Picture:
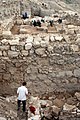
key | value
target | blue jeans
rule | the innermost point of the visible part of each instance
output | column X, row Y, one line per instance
column 23, row 103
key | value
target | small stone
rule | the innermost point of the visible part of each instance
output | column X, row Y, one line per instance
column 28, row 46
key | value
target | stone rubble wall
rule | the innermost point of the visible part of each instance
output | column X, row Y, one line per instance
column 48, row 62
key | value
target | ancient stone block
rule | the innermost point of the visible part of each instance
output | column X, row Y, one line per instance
column 40, row 51
column 36, row 44
column 13, row 53
column 0, row 53
column 4, row 47
column 13, row 48
column 77, row 72
column 58, row 38
column 6, row 76
column 24, row 52
column 14, row 42
column 75, row 48
column 29, row 39
column 28, row 46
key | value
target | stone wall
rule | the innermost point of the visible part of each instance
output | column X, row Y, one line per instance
column 48, row 62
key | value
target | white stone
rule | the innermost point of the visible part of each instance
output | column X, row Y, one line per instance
column 24, row 52
column 0, row 53
column 68, row 107
column 4, row 41
column 40, row 51
column 71, row 26
column 4, row 53
column 55, row 109
column 58, row 38
column 4, row 47
column 36, row 44
column 13, row 48
column 29, row 39
column 52, row 38
column 37, row 38
column 13, row 53
column 19, row 22
column 23, row 31
column 77, row 94
column 14, row 42
column 75, row 48
column 6, row 33
column 50, row 48
column 43, row 44
column 2, row 118
column 28, row 46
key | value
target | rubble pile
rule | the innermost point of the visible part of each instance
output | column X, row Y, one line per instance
column 61, row 106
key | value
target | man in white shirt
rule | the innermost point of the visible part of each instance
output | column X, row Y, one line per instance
column 22, row 92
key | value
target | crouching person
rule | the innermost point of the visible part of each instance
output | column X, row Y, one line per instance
column 22, row 93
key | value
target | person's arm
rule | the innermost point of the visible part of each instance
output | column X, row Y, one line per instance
column 26, row 92
column 18, row 92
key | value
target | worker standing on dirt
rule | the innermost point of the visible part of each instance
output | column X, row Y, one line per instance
column 22, row 93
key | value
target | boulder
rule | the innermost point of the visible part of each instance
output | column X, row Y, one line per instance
column 77, row 94
column 40, row 51
column 68, row 107
column 28, row 46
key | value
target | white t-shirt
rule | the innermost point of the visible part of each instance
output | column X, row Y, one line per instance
column 22, row 91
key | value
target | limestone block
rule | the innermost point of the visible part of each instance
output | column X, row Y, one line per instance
column 0, row 53
column 36, row 44
column 50, row 48
column 37, row 38
column 23, row 31
column 6, row 76
column 75, row 48
column 61, row 74
column 4, row 41
column 71, row 27
column 69, row 73
column 43, row 44
column 4, row 53
column 19, row 21
column 68, row 107
column 6, row 34
column 78, row 40
column 24, row 52
column 2, row 118
column 4, row 47
column 13, row 48
column 29, row 39
column 77, row 72
column 14, row 42
column 55, row 109
column 28, row 46
column 40, row 51
column 13, row 53
column 58, row 102
column 12, row 70
column 26, row 21
column 46, row 39
column 52, row 39
column 58, row 38
column 77, row 94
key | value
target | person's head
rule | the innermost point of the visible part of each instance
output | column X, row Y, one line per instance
column 24, row 83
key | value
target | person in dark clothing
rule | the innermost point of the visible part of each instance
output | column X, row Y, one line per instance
column 51, row 23
column 59, row 21
column 34, row 23
column 38, row 23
